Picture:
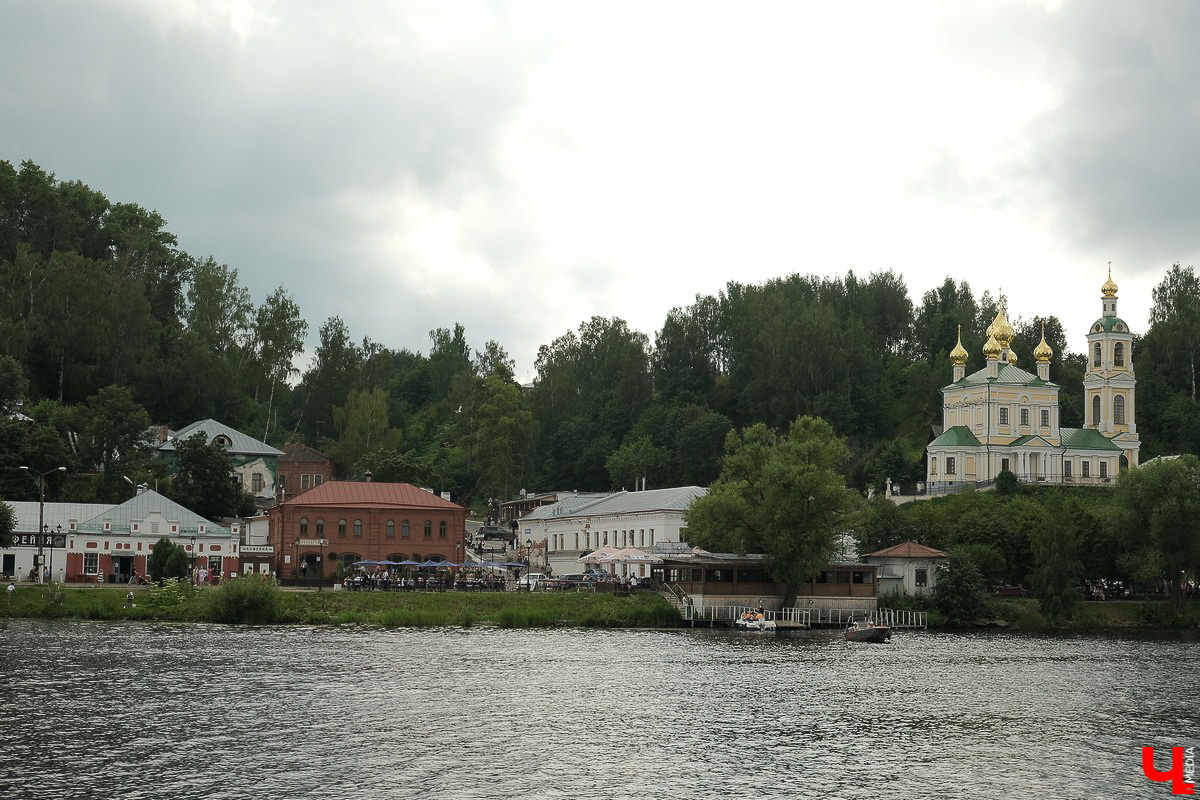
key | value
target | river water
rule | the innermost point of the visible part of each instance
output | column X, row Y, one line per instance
column 133, row 710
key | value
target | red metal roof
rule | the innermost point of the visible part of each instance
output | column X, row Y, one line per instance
column 362, row 494
column 907, row 550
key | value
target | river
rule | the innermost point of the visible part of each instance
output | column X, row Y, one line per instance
column 138, row 710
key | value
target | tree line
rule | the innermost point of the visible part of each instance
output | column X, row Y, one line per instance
column 107, row 326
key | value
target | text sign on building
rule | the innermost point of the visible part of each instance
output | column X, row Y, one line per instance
column 31, row 540
column 307, row 543
column 257, row 549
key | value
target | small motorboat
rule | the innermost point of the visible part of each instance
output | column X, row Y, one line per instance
column 754, row 622
column 868, row 632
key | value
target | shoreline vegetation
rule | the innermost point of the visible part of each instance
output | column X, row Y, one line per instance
column 252, row 602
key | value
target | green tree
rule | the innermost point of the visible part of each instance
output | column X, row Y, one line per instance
column 8, row 524
column 635, row 460
column 959, row 590
column 362, row 424
column 116, row 438
column 1056, row 579
column 1161, row 502
column 1176, row 316
column 783, row 496
column 202, row 483
column 167, row 560
column 279, row 332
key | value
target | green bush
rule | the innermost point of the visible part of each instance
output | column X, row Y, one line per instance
column 248, row 601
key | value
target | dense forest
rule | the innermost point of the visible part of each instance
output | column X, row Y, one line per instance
column 107, row 326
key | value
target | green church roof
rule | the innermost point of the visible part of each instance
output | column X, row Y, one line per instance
column 1085, row 439
column 1007, row 374
column 1109, row 323
column 958, row 436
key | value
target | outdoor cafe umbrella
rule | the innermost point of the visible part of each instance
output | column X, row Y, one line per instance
column 600, row 555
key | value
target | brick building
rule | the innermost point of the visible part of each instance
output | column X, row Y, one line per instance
column 299, row 469
column 348, row 521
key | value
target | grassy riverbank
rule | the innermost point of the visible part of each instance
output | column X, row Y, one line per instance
column 249, row 601
column 1025, row 614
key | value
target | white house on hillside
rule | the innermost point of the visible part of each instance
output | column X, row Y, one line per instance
column 578, row 524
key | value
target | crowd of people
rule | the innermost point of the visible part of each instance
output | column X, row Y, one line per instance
column 463, row 580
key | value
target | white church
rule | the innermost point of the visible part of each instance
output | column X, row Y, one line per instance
column 1004, row 418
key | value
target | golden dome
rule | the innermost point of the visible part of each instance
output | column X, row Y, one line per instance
column 991, row 348
column 958, row 356
column 1109, row 289
column 1012, row 356
column 1001, row 330
column 1042, row 352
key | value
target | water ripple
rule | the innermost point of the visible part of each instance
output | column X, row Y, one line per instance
column 132, row 710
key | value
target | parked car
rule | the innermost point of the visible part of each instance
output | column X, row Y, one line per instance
column 531, row 580
column 597, row 575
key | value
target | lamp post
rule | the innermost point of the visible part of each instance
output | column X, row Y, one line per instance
column 41, row 484
column 192, row 564
column 53, row 535
column 296, row 559
column 321, row 565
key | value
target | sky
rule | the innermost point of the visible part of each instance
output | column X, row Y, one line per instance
column 520, row 167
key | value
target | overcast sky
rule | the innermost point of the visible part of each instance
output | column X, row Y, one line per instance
column 521, row 167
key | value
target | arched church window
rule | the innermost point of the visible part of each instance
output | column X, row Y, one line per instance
column 1096, row 355
column 1119, row 409
column 1096, row 409
column 1119, row 354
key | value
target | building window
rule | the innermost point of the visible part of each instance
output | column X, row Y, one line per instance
column 1045, row 418
column 642, row 538
column 256, row 482
column 1085, row 469
column 1119, row 354
column 428, row 529
column 1096, row 355
column 281, row 481
column 358, row 527
column 1119, row 409
column 1025, row 417
column 391, row 529
column 1103, row 469
column 341, row 527
column 1067, row 469
column 577, row 541
column 320, row 528
column 587, row 540
column 303, row 482
column 442, row 529
column 317, row 479
column 922, row 578
column 1004, row 465
column 950, row 465
column 652, row 537
column 404, row 529
column 606, row 538
column 1003, row 418
column 304, row 526
column 1096, row 410
column 91, row 563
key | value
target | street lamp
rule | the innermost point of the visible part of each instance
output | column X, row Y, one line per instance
column 321, row 565
column 192, row 565
column 41, row 484
column 296, row 560
column 56, row 533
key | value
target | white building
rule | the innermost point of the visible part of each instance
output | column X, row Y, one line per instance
column 580, row 523
column 88, row 542
column 906, row 568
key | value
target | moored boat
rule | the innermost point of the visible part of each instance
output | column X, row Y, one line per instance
column 868, row 632
column 754, row 622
